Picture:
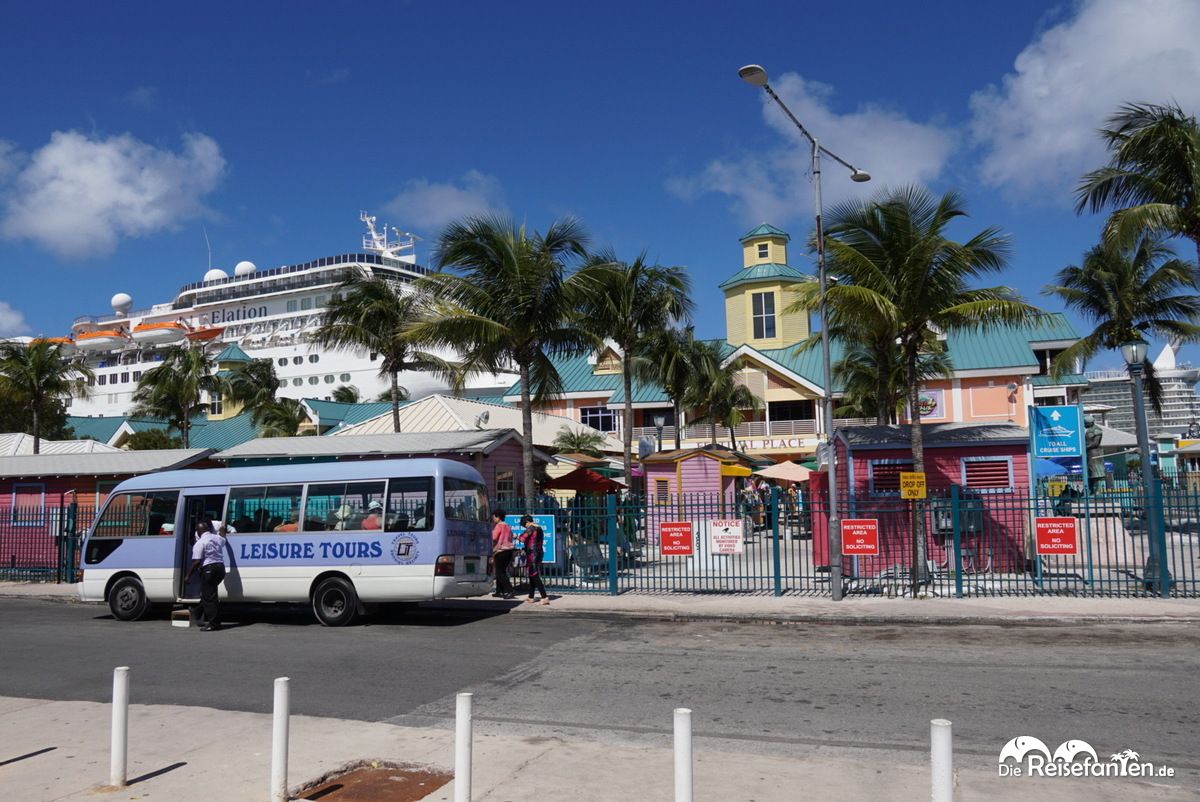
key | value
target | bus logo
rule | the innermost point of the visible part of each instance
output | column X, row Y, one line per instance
column 404, row 549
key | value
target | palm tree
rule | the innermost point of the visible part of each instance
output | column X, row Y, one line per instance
column 874, row 386
column 666, row 361
column 1129, row 293
column 283, row 418
column 630, row 303
column 901, row 274
column 368, row 313
column 715, row 393
column 346, row 394
column 1153, row 177
column 253, row 384
column 579, row 441
column 510, row 302
column 39, row 376
column 173, row 390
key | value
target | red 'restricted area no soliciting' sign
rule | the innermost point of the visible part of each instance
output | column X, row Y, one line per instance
column 675, row 538
column 1056, row 536
column 860, row 536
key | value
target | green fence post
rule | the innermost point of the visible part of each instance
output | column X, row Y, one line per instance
column 612, row 543
column 1164, row 562
column 775, row 539
column 956, row 522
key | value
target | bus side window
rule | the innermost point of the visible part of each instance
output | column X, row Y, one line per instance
column 343, row 506
column 275, row 508
column 410, row 505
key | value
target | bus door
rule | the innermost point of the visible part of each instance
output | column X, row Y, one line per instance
column 197, row 505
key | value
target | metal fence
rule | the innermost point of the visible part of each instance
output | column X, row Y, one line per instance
column 41, row 543
column 973, row 544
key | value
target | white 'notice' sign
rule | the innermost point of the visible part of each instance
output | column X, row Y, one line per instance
column 725, row 536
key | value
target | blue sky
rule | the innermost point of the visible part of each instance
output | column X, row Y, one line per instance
column 125, row 128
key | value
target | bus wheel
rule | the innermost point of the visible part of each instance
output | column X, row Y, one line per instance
column 127, row 599
column 334, row 602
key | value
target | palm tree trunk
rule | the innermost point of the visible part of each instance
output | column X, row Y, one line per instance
column 527, row 435
column 37, row 428
column 185, row 427
column 395, row 402
column 678, row 426
column 919, row 568
column 733, row 438
column 627, row 417
column 713, row 429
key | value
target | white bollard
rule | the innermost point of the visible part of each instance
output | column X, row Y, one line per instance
column 683, row 754
column 941, row 760
column 462, row 748
column 120, row 728
column 279, row 742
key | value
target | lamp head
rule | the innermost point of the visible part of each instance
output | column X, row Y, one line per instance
column 659, row 421
column 753, row 74
column 1134, row 352
column 861, row 176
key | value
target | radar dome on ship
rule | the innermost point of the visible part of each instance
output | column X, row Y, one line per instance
column 121, row 302
column 216, row 274
column 244, row 268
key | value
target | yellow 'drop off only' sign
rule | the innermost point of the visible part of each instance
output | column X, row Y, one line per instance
column 912, row 484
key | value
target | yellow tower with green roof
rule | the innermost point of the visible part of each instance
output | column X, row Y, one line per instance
column 757, row 296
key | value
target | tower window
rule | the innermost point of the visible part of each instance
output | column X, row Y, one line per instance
column 764, row 315
column 764, row 250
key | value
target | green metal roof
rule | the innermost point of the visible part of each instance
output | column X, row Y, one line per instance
column 1006, row 346
column 769, row 271
column 233, row 353
column 643, row 393
column 764, row 230
column 1065, row 380
column 333, row 413
column 577, row 377
column 99, row 429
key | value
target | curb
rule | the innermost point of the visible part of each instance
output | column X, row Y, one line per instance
column 801, row 619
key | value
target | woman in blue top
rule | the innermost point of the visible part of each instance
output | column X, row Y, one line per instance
column 534, row 539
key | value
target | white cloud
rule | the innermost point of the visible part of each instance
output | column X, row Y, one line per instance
column 11, row 321
column 8, row 159
column 143, row 97
column 1039, row 126
column 77, row 196
column 774, row 186
column 424, row 206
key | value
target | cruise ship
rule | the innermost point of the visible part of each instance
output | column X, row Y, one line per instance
column 270, row 314
column 1180, row 405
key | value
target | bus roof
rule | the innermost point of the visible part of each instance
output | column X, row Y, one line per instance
column 307, row 472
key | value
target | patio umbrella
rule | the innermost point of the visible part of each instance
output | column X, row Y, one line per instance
column 787, row 471
column 583, row 480
column 1046, row 467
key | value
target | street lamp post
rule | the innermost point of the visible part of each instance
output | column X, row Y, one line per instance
column 1157, row 573
column 659, row 422
column 755, row 75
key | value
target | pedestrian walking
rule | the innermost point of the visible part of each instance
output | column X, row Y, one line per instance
column 534, row 539
column 503, row 552
column 208, row 556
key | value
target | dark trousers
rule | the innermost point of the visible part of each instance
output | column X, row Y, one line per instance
column 211, row 577
column 503, row 562
column 535, row 579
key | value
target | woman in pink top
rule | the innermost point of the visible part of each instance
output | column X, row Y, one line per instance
column 503, row 551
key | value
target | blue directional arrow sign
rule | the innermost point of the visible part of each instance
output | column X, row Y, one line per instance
column 1057, row 431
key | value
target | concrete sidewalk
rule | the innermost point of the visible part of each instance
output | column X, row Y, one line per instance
column 1033, row 610
column 59, row 751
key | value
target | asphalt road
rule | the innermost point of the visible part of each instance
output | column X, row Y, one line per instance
column 867, row 690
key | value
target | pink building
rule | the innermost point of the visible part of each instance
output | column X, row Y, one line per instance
column 989, row 463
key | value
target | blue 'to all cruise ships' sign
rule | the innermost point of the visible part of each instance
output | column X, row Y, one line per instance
column 1057, row 431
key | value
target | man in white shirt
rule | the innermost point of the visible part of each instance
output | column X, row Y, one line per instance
column 208, row 555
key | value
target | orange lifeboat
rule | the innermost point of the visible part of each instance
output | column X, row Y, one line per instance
column 102, row 340
column 159, row 333
column 205, row 334
column 65, row 344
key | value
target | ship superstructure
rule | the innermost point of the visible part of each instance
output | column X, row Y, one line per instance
column 271, row 314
